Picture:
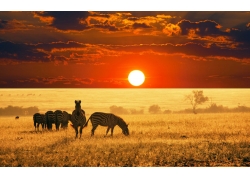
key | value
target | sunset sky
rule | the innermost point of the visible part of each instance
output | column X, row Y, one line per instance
column 98, row 49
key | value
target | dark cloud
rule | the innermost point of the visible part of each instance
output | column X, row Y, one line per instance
column 211, row 28
column 194, row 49
column 76, row 20
column 3, row 23
column 242, row 36
column 227, row 19
column 202, row 28
column 57, row 52
column 212, row 50
column 106, row 26
column 67, row 20
column 10, row 50
column 59, row 45
column 140, row 25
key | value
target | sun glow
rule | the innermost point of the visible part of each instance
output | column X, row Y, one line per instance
column 136, row 77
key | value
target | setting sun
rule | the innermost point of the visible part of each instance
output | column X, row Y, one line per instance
column 136, row 77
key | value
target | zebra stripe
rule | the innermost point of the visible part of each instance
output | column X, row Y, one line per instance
column 50, row 118
column 107, row 119
column 78, row 118
column 58, row 118
column 66, row 118
column 39, row 119
column 44, row 121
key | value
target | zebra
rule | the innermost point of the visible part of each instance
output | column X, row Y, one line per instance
column 107, row 119
column 50, row 119
column 39, row 119
column 66, row 118
column 45, row 121
column 78, row 118
column 58, row 118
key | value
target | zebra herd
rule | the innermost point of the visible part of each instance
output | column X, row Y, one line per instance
column 59, row 118
column 78, row 120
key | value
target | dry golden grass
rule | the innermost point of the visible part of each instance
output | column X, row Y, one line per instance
column 155, row 140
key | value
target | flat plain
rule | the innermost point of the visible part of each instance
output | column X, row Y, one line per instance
column 160, row 140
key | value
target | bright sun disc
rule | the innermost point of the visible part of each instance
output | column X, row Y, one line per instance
column 136, row 77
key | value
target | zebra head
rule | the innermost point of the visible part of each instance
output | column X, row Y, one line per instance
column 125, row 130
column 78, row 106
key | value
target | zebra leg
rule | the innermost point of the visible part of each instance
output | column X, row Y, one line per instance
column 57, row 126
column 81, row 127
column 107, row 130
column 49, row 126
column 76, row 130
column 112, row 129
column 93, row 130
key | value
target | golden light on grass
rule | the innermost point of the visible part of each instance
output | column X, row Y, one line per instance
column 136, row 78
column 155, row 140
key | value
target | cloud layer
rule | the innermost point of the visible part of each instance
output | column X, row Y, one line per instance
column 98, row 49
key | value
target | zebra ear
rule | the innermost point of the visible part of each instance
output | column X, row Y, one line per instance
column 75, row 101
column 80, row 101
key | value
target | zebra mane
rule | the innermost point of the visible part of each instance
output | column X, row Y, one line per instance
column 121, row 122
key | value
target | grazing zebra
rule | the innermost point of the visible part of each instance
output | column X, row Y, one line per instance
column 66, row 118
column 78, row 118
column 58, row 118
column 50, row 119
column 39, row 119
column 107, row 119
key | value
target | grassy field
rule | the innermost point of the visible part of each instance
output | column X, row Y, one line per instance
column 170, row 140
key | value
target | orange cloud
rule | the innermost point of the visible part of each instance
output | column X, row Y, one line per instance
column 171, row 29
column 46, row 19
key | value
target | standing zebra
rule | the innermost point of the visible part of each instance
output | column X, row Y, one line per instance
column 66, row 118
column 58, row 118
column 78, row 118
column 45, row 121
column 107, row 119
column 39, row 119
column 50, row 119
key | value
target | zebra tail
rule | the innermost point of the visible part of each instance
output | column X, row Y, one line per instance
column 86, row 124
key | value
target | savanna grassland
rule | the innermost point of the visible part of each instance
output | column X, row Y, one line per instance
column 174, row 140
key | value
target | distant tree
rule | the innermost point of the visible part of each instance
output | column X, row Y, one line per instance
column 214, row 108
column 167, row 111
column 154, row 109
column 242, row 108
column 118, row 110
column 16, row 110
column 196, row 98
